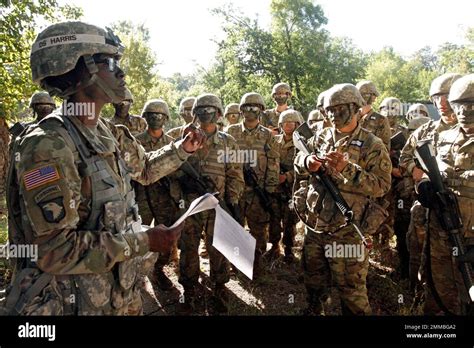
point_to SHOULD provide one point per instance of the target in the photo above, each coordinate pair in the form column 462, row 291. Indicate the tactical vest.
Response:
column 110, row 209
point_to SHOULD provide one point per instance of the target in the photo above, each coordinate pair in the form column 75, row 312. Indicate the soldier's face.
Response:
column 233, row 118
column 122, row 109
column 339, row 115
column 464, row 113
column 155, row 120
column 442, row 104
column 251, row 112
column 112, row 76
column 288, row 127
column 187, row 115
column 43, row 110
column 281, row 98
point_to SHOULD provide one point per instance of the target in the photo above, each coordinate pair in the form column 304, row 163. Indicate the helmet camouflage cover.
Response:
column 281, row 88
column 344, row 93
column 156, row 105
column 252, row 98
column 208, row 100
column 41, row 97
column 367, row 87
column 442, row 84
column 290, row 115
column 391, row 107
column 232, row 108
column 186, row 103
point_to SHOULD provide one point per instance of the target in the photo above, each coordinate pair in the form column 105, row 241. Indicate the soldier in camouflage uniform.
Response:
column 185, row 107
column 42, row 105
column 371, row 120
column 439, row 91
column 135, row 124
column 281, row 92
column 4, row 143
column 359, row 164
column 232, row 114
column 455, row 153
column 417, row 110
column 70, row 192
column 220, row 175
column 316, row 121
column 155, row 200
column 283, row 218
column 256, row 140
column 400, row 195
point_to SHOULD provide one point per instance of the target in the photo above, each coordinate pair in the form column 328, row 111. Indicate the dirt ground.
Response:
column 280, row 291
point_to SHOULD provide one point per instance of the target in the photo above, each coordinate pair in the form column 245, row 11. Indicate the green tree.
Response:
column 20, row 23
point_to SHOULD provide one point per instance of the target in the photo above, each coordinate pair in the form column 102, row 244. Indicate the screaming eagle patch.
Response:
column 53, row 210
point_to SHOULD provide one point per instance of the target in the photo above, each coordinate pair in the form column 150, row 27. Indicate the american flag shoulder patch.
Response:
column 38, row 177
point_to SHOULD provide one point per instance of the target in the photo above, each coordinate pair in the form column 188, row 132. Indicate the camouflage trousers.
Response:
column 445, row 273
column 257, row 219
column 155, row 202
column 323, row 269
column 415, row 238
column 189, row 246
column 282, row 219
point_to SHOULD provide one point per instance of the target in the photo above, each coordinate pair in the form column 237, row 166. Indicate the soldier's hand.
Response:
column 162, row 238
column 396, row 172
column 282, row 178
column 417, row 174
column 193, row 138
column 336, row 160
column 313, row 163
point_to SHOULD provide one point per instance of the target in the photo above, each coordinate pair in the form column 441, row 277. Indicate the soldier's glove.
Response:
column 234, row 210
column 426, row 194
column 468, row 256
column 162, row 238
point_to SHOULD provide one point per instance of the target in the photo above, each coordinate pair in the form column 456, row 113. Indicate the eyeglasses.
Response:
column 232, row 115
column 251, row 108
column 158, row 115
column 112, row 63
column 125, row 103
column 205, row 110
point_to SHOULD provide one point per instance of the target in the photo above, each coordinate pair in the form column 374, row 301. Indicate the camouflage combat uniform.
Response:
column 77, row 205
column 223, row 177
column 158, row 201
column 366, row 177
column 135, row 124
column 175, row 133
column 378, row 125
column 261, row 142
column 455, row 156
column 417, row 229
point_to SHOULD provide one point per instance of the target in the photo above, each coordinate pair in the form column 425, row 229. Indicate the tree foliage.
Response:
column 20, row 22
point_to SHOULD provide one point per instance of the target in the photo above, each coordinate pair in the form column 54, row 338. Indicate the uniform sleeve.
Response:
column 273, row 165
column 375, row 178
column 234, row 176
column 300, row 158
column 407, row 155
column 50, row 189
column 148, row 167
column 385, row 133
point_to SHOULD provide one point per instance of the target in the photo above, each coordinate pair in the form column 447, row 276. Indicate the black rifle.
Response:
column 251, row 179
column 204, row 186
column 300, row 136
column 397, row 142
column 446, row 208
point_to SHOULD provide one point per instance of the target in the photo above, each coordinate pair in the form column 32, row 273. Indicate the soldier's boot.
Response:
column 186, row 302
column 289, row 256
column 275, row 251
column 163, row 282
column 220, row 299
column 257, row 266
column 315, row 307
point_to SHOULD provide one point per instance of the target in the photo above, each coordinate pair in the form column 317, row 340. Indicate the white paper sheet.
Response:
column 234, row 242
column 230, row 238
